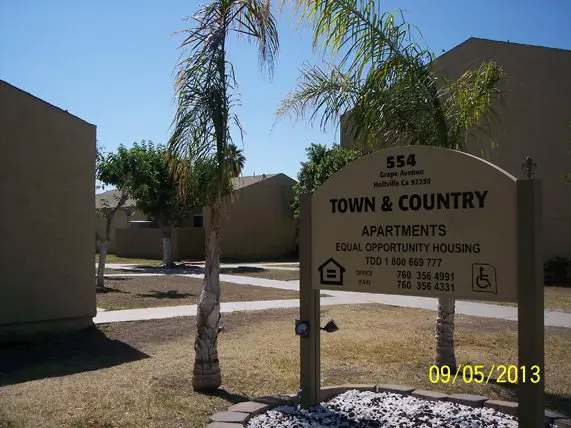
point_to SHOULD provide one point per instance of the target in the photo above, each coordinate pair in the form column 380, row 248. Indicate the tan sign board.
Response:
column 417, row 220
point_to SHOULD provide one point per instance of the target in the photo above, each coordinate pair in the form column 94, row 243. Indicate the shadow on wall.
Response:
column 61, row 355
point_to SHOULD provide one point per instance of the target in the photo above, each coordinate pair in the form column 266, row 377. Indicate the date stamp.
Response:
column 483, row 375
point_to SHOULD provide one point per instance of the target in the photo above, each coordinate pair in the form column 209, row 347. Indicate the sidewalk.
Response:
column 486, row 310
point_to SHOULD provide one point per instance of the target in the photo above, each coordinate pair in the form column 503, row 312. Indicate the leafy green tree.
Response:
column 236, row 158
column 112, row 170
column 322, row 163
column 156, row 190
column 391, row 94
column 205, row 88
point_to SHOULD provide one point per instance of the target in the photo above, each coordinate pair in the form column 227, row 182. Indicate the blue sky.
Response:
column 111, row 62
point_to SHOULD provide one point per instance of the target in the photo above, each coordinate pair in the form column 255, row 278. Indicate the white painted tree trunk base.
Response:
column 100, row 282
column 167, row 252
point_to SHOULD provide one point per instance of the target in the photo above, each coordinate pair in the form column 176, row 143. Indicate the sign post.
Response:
column 309, row 310
column 426, row 221
column 531, row 398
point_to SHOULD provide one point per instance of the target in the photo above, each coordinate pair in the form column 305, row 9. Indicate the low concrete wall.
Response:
column 187, row 243
column 190, row 243
column 120, row 221
column 140, row 243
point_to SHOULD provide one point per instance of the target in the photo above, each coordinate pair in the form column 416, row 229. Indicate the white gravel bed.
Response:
column 359, row 409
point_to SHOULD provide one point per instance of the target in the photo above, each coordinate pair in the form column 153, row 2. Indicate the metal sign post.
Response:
column 309, row 310
column 531, row 382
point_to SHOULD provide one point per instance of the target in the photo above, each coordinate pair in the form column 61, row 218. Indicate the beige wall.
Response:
column 120, row 221
column 187, row 243
column 46, row 255
column 535, row 116
column 535, row 121
column 258, row 224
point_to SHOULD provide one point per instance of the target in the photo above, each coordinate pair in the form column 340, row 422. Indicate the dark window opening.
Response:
column 197, row 220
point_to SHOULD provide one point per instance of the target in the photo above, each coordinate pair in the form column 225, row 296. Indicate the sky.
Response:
column 111, row 63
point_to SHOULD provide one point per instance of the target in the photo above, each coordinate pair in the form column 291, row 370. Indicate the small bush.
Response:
column 556, row 268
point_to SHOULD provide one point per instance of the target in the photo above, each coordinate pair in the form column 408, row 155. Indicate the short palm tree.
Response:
column 386, row 87
column 236, row 158
column 205, row 96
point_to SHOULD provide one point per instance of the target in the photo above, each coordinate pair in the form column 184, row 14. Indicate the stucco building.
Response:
column 534, row 120
column 46, row 254
column 127, row 213
column 257, row 223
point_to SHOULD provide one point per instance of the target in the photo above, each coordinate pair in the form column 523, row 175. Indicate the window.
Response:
column 197, row 220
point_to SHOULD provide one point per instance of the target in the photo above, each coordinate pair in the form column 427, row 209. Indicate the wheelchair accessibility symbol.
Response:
column 484, row 278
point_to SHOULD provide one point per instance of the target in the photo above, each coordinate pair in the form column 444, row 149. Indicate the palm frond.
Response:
column 327, row 92
column 468, row 102
column 205, row 84
column 359, row 31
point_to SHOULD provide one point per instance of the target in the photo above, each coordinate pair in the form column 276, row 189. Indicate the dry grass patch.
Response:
column 112, row 258
column 131, row 292
column 289, row 265
column 256, row 272
column 556, row 298
column 259, row 356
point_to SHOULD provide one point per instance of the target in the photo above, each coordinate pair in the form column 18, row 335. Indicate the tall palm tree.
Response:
column 387, row 89
column 205, row 93
column 236, row 158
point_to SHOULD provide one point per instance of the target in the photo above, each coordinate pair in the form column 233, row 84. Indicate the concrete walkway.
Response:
column 487, row 310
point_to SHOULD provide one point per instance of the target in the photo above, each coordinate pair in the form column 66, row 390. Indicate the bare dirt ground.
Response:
column 172, row 290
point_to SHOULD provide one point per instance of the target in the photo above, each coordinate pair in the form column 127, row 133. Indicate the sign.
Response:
column 424, row 221
column 417, row 220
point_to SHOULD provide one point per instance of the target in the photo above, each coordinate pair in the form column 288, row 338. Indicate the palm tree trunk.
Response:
column 445, row 353
column 100, row 283
column 167, row 247
column 206, row 373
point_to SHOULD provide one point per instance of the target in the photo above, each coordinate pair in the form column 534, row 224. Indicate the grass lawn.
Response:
column 112, row 258
column 171, row 290
column 555, row 298
column 558, row 298
column 277, row 274
column 138, row 374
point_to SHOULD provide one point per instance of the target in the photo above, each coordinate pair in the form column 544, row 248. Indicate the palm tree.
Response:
column 205, row 94
column 236, row 158
column 387, row 89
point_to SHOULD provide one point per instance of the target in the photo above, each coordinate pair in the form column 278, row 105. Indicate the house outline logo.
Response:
column 332, row 275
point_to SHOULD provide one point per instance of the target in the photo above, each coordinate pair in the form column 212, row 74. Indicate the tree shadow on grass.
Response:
column 62, row 354
column 171, row 294
column 228, row 396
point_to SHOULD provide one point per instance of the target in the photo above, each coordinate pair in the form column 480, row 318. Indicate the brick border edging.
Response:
column 238, row 415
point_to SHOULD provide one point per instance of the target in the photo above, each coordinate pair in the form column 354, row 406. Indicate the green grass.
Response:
column 112, row 258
